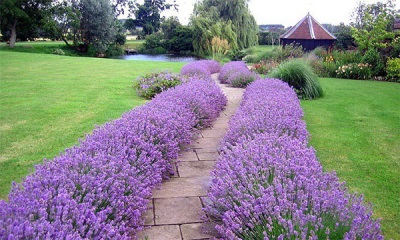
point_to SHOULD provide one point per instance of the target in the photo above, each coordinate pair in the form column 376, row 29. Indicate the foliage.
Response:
column 264, row 67
column 393, row 69
column 181, row 40
column 269, row 38
column 373, row 59
column 58, row 51
column 230, row 20
column 219, row 47
column 101, row 188
column 354, row 71
column 130, row 25
column 344, row 38
column 148, row 14
column 300, row 76
column 268, row 184
column 24, row 17
column 156, row 82
column 154, row 40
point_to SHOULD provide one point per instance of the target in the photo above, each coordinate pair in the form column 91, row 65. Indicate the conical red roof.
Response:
column 308, row 28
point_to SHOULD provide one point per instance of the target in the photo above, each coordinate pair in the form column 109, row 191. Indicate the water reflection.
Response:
column 158, row 57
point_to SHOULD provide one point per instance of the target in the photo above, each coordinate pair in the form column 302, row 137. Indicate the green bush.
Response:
column 58, row 51
column 354, row 71
column 300, row 76
column 393, row 69
column 373, row 58
column 153, row 83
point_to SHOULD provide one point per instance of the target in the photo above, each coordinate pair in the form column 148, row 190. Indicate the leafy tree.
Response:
column 22, row 15
column 226, row 19
column 169, row 25
column 148, row 14
column 344, row 38
column 130, row 25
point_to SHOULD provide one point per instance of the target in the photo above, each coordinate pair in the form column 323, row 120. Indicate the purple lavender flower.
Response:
column 100, row 188
column 230, row 68
column 268, row 184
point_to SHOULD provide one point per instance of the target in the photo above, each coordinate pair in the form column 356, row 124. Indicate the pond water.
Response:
column 159, row 57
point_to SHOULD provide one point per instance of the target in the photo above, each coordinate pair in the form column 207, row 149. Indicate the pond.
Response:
column 159, row 57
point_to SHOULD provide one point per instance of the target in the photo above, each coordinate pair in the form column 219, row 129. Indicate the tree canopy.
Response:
column 226, row 19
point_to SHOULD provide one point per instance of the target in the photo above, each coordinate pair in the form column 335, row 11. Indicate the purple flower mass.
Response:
column 229, row 69
column 201, row 68
column 100, row 188
column 268, row 184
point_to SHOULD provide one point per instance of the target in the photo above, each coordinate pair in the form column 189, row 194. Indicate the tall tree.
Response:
column 231, row 14
column 148, row 14
column 26, row 14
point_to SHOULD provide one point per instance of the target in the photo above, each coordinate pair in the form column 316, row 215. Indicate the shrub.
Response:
column 58, row 51
column 101, row 188
column 373, row 58
column 201, row 68
column 293, row 50
column 300, row 76
column 268, row 184
column 354, row 71
column 242, row 77
column 153, row 83
column 264, row 67
column 229, row 69
column 393, row 69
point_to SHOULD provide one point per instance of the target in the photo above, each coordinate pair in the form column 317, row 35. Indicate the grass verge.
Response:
column 355, row 129
column 49, row 101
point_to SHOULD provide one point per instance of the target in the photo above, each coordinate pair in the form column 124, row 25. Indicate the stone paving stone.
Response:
column 207, row 156
column 183, row 187
column 212, row 133
column 206, row 150
column 195, row 169
column 149, row 214
column 207, row 142
column 178, row 210
column 188, row 156
column 199, row 231
column 166, row 232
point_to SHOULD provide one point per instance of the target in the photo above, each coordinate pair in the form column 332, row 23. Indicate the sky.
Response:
column 288, row 12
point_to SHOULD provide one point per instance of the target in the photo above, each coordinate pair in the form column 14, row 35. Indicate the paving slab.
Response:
column 178, row 210
column 165, row 232
column 149, row 214
column 183, row 187
column 212, row 133
column 207, row 156
column 188, row 156
column 195, row 169
column 199, row 231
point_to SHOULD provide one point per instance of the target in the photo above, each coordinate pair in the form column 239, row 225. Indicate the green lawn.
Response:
column 47, row 102
column 355, row 129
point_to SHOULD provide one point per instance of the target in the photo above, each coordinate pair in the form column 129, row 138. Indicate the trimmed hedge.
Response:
column 100, row 188
column 268, row 184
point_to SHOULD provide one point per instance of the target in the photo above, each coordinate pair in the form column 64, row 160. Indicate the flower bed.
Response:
column 100, row 188
column 201, row 68
column 268, row 184
column 230, row 68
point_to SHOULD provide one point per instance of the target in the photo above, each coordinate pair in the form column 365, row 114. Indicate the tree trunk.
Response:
column 13, row 38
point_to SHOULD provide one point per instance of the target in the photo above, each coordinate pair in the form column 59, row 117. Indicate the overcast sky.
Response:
column 288, row 12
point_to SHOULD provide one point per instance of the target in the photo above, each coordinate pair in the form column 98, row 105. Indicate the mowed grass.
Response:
column 355, row 129
column 48, row 102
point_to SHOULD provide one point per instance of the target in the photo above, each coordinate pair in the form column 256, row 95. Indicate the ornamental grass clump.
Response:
column 229, row 69
column 100, row 188
column 268, row 184
column 300, row 76
column 153, row 83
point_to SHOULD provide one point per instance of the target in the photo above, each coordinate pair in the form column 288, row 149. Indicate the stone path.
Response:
column 175, row 211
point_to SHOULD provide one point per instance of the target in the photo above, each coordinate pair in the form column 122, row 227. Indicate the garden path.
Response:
column 175, row 210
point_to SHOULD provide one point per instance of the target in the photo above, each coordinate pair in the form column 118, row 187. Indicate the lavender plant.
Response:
column 230, row 68
column 268, row 184
column 242, row 77
column 153, row 83
column 201, row 68
column 100, row 188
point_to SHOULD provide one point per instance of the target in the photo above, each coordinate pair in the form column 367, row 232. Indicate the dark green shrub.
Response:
column 153, row 41
column 300, row 76
column 373, row 58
